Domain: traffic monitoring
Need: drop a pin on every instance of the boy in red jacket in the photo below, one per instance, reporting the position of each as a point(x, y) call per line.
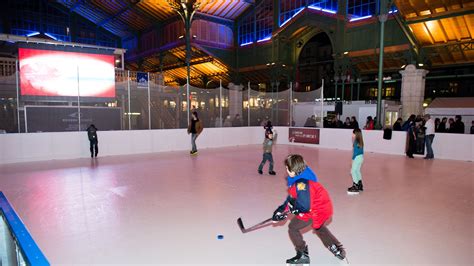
point(309, 201)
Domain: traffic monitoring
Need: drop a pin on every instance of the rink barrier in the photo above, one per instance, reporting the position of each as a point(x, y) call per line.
point(29, 147)
point(27, 252)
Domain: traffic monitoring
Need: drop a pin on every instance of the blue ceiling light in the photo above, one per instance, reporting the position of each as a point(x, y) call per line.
point(32, 34)
point(360, 18)
point(322, 9)
point(50, 36)
point(247, 43)
point(265, 39)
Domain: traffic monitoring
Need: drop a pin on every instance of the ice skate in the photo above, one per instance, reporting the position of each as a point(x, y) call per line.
point(339, 252)
point(272, 173)
point(360, 186)
point(354, 190)
point(301, 258)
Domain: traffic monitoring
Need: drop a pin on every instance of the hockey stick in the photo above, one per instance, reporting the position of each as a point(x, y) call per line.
point(255, 227)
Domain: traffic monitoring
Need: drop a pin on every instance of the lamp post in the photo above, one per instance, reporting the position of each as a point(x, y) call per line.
point(186, 10)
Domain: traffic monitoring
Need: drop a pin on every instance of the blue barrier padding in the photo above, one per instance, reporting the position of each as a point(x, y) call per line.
point(30, 250)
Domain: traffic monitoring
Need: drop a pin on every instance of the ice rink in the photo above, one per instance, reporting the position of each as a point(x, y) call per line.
point(168, 208)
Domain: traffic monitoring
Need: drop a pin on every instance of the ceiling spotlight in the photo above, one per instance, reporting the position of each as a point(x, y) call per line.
point(420, 64)
point(194, 36)
point(273, 63)
point(117, 60)
point(181, 37)
point(403, 66)
point(346, 52)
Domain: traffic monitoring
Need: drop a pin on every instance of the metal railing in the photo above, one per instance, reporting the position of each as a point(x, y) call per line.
point(17, 247)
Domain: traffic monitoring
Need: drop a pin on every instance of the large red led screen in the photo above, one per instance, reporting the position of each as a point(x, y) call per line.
point(55, 73)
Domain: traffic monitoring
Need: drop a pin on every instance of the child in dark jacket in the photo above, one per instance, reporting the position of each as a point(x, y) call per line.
point(267, 153)
point(309, 201)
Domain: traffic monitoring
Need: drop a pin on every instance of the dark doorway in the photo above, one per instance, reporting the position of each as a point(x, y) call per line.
point(315, 63)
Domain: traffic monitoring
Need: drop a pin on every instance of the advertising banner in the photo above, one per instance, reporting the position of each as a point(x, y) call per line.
point(56, 73)
point(66, 118)
point(304, 135)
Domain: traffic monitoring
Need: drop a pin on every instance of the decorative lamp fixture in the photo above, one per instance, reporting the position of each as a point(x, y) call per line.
point(186, 10)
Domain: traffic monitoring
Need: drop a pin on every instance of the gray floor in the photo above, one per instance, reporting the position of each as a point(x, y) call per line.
point(168, 208)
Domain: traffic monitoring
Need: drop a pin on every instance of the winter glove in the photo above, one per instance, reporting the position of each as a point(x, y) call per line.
point(278, 216)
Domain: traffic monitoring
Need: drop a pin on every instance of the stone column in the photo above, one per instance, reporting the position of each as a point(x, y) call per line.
point(235, 99)
point(413, 91)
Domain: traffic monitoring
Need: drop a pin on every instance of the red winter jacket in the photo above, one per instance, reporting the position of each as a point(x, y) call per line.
point(310, 198)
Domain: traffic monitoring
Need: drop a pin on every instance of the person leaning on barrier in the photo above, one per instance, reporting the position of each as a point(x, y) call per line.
point(93, 140)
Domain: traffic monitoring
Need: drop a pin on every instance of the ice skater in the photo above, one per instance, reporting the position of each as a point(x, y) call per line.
point(267, 153)
point(357, 160)
point(309, 201)
point(194, 128)
point(93, 140)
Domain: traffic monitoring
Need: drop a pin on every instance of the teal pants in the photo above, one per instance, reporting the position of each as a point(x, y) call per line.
point(355, 171)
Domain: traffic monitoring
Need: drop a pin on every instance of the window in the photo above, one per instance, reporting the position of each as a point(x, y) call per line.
point(264, 20)
point(373, 92)
point(361, 8)
point(289, 9)
point(389, 92)
point(325, 5)
point(246, 30)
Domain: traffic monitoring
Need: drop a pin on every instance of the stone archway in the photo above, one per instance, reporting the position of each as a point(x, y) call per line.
point(315, 62)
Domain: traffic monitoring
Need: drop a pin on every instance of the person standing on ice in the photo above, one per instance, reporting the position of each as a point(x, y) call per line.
point(194, 128)
point(93, 140)
point(357, 160)
point(267, 153)
point(309, 201)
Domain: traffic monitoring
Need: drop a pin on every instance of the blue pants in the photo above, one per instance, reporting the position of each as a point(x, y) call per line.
point(193, 141)
point(266, 157)
point(429, 149)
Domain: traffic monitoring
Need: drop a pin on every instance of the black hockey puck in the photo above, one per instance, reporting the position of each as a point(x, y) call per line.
point(220, 237)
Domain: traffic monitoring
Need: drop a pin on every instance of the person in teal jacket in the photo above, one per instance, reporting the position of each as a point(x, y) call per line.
point(357, 160)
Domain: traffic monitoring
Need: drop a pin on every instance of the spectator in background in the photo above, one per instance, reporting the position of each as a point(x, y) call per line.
point(429, 136)
point(407, 123)
point(451, 126)
point(237, 122)
point(218, 122)
point(310, 121)
point(347, 123)
point(410, 126)
point(442, 125)
point(397, 126)
point(228, 121)
point(420, 135)
point(437, 122)
point(354, 123)
point(338, 123)
point(472, 127)
point(458, 125)
point(369, 125)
